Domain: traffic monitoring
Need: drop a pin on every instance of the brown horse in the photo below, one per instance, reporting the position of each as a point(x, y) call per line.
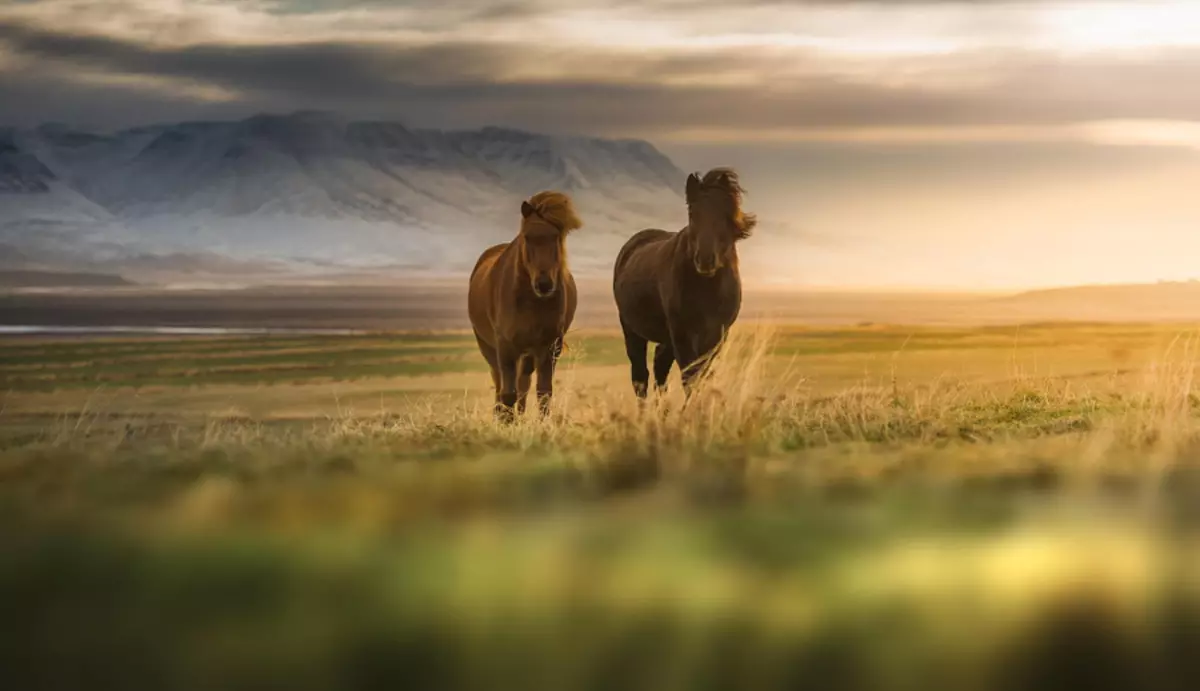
point(683, 290)
point(522, 300)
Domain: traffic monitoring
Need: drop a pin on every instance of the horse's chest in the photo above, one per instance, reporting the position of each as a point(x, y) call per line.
point(537, 335)
point(714, 304)
point(535, 326)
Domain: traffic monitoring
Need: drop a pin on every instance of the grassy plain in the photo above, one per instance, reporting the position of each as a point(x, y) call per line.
point(870, 507)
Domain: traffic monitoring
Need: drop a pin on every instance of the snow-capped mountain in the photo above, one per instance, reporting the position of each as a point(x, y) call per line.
point(312, 191)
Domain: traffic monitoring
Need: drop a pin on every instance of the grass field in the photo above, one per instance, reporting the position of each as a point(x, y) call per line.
point(877, 507)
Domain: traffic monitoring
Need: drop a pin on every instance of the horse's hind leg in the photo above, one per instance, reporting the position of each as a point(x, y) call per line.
point(524, 377)
point(635, 349)
point(489, 354)
point(664, 357)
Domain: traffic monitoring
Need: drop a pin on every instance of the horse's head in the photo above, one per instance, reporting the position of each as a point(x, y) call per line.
point(715, 219)
point(547, 219)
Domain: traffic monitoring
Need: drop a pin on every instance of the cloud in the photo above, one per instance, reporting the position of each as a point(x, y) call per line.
point(685, 86)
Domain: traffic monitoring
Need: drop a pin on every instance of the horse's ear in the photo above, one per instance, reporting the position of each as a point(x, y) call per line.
point(526, 209)
point(693, 187)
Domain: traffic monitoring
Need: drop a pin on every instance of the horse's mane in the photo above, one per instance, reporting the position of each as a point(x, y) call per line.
point(557, 209)
point(726, 181)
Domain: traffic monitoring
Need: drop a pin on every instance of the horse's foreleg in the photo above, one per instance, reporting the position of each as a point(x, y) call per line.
point(524, 376)
point(546, 365)
point(695, 354)
point(664, 357)
point(506, 395)
point(681, 345)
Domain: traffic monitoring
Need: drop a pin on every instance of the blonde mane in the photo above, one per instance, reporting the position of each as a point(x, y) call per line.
point(556, 208)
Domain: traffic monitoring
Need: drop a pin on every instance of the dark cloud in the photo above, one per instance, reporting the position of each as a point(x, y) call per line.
point(431, 12)
point(461, 85)
point(34, 96)
point(337, 69)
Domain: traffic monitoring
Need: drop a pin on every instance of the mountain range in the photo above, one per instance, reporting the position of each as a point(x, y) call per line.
point(310, 193)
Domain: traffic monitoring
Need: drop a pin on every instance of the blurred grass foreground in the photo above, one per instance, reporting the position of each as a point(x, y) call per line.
point(990, 528)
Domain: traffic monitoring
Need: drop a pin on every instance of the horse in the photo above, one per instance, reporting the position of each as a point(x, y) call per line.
point(683, 290)
point(522, 300)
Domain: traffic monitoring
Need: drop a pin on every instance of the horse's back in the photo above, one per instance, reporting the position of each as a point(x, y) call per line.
point(487, 259)
point(640, 265)
point(633, 246)
point(571, 292)
point(479, 307)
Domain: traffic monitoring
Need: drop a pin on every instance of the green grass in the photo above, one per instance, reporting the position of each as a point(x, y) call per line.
point(706, 603)
point(267, 360)
point(871, 508)
point(283, 359)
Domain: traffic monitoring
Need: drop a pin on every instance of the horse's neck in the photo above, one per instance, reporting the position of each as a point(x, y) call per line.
point(680, 239)
point(683, 259)
point(512, 255)
point(511, 269)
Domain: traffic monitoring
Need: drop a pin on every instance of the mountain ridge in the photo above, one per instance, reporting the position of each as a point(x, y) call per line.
point(1159, 301)
point(311, 191)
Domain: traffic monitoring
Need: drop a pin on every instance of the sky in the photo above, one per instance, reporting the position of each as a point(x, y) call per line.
point(912, 143)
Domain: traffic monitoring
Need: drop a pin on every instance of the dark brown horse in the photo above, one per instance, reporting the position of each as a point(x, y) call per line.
point(522, 300)
point(683, 290)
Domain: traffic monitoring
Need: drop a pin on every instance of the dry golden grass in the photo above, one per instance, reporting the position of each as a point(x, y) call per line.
point(806, 520)
point(759, 428)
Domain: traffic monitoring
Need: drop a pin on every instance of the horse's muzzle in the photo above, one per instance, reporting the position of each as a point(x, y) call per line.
point(707, 271)
point(543, 287)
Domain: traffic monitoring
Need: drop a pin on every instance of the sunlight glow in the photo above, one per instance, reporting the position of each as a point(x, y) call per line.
point(848, 29)
point(1171, 133)
point(1097, 26)
point(1145, 133)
